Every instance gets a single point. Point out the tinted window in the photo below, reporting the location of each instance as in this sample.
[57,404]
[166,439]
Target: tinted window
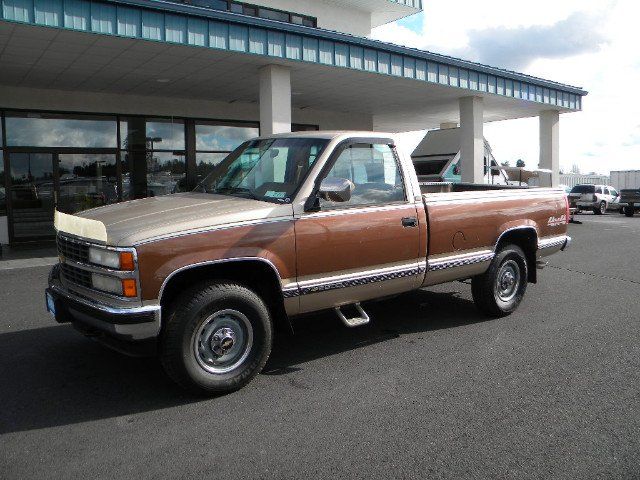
[374,171]
[47,130]
[151,133]
[214,4]
[613,192]
[3,195]
[222,138]
[273,15]
[583,189]
[430,167]
[150,174]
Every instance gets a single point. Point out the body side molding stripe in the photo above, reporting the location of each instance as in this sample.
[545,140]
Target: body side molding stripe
[353,280]
[459,261]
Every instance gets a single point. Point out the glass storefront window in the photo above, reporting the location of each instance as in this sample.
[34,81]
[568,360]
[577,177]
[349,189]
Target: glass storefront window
[150,174]
[48,130]
[3,192]
[206,162]
[214,142]
[222,138]
[151,133]
[86,181]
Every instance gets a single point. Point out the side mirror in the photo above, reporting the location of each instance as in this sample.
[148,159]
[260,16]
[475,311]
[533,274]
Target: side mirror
[336,189]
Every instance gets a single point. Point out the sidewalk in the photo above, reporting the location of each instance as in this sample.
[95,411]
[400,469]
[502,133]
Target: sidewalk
[28,256]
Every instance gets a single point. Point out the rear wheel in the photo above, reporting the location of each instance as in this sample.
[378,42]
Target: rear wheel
[600,209]
[217,338]
[629,210]
[499,291]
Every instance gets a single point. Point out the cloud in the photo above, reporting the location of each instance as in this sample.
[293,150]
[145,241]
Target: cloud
[516,48]
[633,138]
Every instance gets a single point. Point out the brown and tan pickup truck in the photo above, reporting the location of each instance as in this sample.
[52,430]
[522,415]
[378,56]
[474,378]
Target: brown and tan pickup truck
[286,225]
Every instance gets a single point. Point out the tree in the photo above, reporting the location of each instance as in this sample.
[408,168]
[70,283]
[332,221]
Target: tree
[505,164]
[520,163]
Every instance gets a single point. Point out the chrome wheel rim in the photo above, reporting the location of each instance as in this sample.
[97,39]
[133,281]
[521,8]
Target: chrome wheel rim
[603,208]
[223,341]
[507,281]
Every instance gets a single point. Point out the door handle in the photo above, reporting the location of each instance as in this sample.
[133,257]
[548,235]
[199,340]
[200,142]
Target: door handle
[409,222]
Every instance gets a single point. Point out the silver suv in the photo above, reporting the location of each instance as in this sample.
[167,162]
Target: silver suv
[598,198]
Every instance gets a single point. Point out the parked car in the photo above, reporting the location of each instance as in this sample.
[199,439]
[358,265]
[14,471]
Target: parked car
[287,225]
[597,198]
[630,197]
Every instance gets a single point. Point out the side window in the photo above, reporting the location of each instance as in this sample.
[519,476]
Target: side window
[606,191]
[373,169]
[613,192]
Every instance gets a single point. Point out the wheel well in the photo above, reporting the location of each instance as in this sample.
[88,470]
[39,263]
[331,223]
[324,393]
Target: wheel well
[527,240]
[253,274]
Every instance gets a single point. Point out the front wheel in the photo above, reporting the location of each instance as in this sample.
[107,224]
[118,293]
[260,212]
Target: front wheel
[217,338]
[499,291]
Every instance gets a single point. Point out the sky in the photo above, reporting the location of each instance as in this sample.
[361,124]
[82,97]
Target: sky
[585,43]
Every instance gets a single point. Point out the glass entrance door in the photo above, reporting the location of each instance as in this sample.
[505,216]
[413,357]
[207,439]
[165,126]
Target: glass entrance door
[32,195]
[43,181]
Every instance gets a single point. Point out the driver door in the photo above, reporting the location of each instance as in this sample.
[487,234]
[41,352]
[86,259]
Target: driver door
[366,247]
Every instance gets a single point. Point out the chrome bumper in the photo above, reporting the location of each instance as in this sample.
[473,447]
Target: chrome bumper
[550,245]
[128,324]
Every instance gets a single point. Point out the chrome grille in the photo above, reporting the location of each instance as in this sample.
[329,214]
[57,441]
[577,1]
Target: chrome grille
[78,252]
[76,275]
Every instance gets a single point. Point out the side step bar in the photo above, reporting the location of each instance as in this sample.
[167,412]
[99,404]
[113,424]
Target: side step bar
[363,319]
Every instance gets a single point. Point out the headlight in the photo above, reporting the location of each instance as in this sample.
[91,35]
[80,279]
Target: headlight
[106,284]
[111,258]
[106,258]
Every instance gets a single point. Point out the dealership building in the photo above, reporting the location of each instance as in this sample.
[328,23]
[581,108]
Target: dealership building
[108,100]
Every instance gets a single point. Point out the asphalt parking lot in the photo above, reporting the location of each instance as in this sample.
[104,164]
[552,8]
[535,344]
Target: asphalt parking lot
[430,389]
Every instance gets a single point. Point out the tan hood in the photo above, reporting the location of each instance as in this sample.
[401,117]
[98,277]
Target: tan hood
[137,221]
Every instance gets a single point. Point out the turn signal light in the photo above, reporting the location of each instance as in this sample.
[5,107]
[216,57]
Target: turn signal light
[129,287]
[126,261]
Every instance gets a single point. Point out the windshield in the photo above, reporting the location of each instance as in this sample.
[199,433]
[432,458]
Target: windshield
[583,189]
[270,170]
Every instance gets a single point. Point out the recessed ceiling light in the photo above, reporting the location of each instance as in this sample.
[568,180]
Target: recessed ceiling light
[163,80]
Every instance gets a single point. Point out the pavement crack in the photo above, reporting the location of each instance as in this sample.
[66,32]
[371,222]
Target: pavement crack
[604,277]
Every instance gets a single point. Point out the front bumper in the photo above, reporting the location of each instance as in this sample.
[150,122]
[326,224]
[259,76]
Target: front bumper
[112,325]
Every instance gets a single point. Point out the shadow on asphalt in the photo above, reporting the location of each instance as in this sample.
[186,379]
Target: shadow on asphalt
[53,376]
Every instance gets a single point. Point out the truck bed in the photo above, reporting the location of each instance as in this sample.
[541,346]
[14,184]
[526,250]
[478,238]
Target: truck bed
[466,226]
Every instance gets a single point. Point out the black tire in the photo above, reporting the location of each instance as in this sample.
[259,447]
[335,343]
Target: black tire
[216,307]
[600,209]
[629,211]
[485,287]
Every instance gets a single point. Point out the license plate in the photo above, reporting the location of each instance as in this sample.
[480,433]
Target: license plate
[51,304]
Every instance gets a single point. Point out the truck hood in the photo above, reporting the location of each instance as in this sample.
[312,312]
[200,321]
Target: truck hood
[137,221]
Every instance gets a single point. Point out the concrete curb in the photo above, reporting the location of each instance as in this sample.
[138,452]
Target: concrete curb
[27,263]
